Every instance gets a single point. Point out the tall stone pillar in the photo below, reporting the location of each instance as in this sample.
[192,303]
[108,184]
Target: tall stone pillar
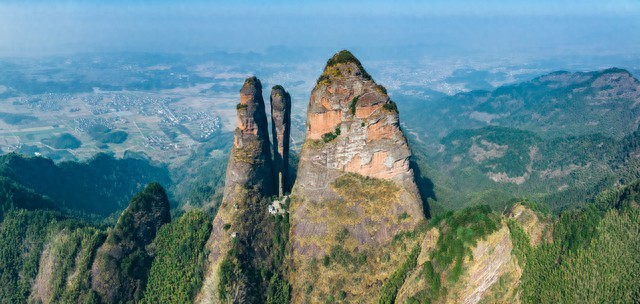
[281,129]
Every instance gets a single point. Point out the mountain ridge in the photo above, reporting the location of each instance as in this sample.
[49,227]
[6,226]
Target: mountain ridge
[353,138]
[556,104]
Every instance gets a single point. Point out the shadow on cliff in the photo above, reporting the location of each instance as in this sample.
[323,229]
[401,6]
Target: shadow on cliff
[294,158]
[425,187]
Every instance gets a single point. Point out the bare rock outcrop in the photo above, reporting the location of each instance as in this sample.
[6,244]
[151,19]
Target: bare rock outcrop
[241,220]
[353,174]
[250,160]
[281,130]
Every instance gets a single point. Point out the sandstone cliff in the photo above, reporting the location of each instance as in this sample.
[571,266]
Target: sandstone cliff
[239,240]
[281,130]
[250,163]
[354,189]
[119,272]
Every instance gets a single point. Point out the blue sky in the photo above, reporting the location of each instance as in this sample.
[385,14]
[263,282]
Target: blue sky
[464,27]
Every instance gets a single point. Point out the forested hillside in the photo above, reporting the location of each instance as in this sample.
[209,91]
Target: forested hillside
[98,186]
[557,104]
[495,165]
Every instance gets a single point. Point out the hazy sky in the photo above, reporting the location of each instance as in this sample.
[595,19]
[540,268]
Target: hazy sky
[461,27]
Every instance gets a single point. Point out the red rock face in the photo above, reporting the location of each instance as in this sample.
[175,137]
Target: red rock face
[322,123]
[352,127]
[252,119]
[250,162]
[376,166]
[370,141]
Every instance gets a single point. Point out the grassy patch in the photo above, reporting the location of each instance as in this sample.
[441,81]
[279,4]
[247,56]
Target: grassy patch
[313,143]
[349,270]
[345,56]
[354,187]
[246,153]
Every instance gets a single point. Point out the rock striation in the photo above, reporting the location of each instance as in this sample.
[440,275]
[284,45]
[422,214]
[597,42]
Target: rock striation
[353,176]
[281,130]
[348,105]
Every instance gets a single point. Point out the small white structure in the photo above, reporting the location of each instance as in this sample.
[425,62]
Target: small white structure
[278,206]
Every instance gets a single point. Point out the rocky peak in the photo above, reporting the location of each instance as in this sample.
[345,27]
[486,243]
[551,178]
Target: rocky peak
[250,162]
[249,181]
[354,185]
[281,129]
[352,114]
[343,64]
[147,212]
[252,119]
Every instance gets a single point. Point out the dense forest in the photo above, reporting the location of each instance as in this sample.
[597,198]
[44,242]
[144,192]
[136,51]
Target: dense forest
[100,186]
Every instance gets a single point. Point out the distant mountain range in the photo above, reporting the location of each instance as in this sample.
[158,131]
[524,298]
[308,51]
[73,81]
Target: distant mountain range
[556,104]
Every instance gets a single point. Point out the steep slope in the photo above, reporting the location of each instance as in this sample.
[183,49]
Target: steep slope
[241,240]
[594,254]
[473,256]
[281,130]
[250,161]
[180,256]
[354,189]
[122,263]
[110,182]
[64,271]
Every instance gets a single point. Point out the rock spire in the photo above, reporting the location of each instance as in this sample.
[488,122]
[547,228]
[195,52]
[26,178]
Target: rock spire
[281,130]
